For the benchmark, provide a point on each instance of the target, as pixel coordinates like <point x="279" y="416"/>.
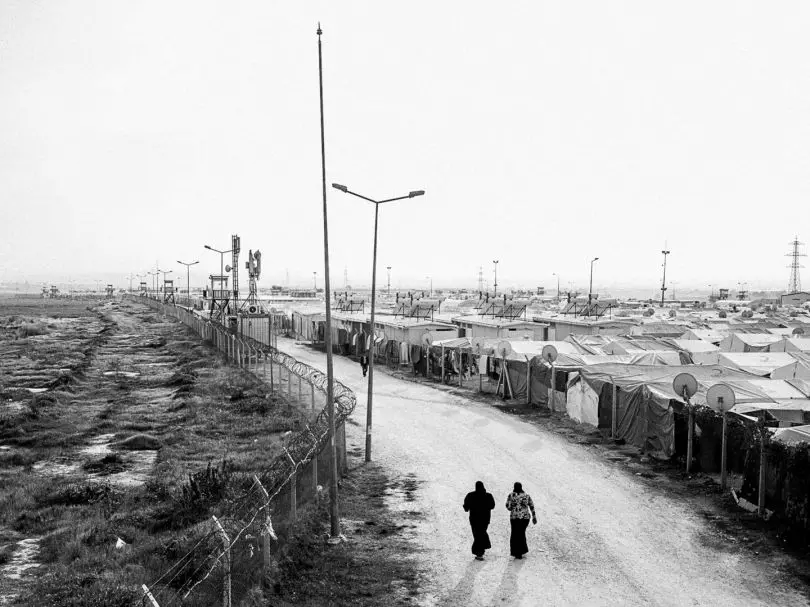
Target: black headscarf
<point x="518" y="488"/>
<point x="479" y="487"/>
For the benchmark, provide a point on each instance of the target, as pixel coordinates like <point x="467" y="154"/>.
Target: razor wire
<point x="300" y="448"/>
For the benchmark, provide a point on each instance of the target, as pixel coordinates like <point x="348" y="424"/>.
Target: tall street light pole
<point x="377" y="204"/>
<point x="430" y="278"/>
<point x="590" y="284"/>
<point x="495" y="263"/>
<point x="188" y="277"/>
<point x="664" y="279"/>
<point x="389" y="279"/>
<point x="221" y="264"/>
<point x="558" y="285"/>
<point x="334" y="521"/>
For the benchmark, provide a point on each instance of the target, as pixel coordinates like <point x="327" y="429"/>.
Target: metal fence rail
<point x="235" y="552"/>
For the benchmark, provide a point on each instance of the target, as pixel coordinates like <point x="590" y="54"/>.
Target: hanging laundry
<point x="482" y="365"/>
<point x="416" y="354"/>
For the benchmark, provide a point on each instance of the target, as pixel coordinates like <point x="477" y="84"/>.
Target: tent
<point x="701" y="352"/>
<point x="794" y="435"/>
<point x="758" y="363"/>
<point x="749" y="342"/>
<point x="796" y="370"/>
<point x="792" y="344"/>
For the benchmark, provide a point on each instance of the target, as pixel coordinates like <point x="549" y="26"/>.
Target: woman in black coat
<point x="479" y="504"/>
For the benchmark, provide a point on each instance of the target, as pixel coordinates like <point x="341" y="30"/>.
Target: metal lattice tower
<point x="235" y="269"/>
<point x="795" y="283"/>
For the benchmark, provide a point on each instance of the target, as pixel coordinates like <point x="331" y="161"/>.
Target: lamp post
<point x="590" y="283"/>
<point x="664" y="279"/>
<point x="221" y="266"/>
<point x="430" y="278"/>
<point x="315" y="282"/>
<point x="558" y="285"/>
<point x="188" y="277"/>
<point x="389" y="279"/>
<point x="377" y="204"/>
<point x="495" y="263"/>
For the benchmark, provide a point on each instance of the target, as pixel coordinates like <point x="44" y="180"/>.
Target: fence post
<point x="300" y="398"/>
<point x="312" y="388"/>
<point x="226" y="564"/>
<point x="341" y="442"/>
<point x="147" y="594"/>
<point x="267" y="532"/>
<point x="293" y="490"/>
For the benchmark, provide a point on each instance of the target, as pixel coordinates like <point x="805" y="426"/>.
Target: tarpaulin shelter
<point x="748" y="342"/>
<point x="645" y="401"/>
<point x="758" y="363"/>
<point x="798" y="369"/>
<point x="792" y="344"/>
<point x="794" y="435"/>
<point x="701" y="352"/>
<point x="713" y="336"/>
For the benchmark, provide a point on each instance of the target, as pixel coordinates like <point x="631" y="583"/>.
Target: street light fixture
<point x="664" y="279"/>
<point x="377" y="204"/>
<point x="315" y="282"/>
<point x="188" y="279"/>
<point x="389" y="279"/>
<point x="558" y="285"/>
<point x="590" y="284"/>
<point x="495" y="262"/>
<point x="221" y="263"/>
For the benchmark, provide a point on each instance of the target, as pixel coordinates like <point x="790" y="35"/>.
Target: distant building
<point x="796" y="300"/>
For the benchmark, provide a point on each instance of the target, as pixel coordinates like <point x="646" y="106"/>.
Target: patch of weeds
<point x="75" y="494"/>
<point x="197" y="497"/>
<point x="109" y="464"/>
<point x="31" y="329"/>
<point x="65" y="588"/>
<point x="17" y="457"/>
<point x="6" y="552"/>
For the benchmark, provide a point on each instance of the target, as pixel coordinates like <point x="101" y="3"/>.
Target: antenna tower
<point x="795" y="283"/>
<point x="665" y="252"/>
<point x="235" y="247"/>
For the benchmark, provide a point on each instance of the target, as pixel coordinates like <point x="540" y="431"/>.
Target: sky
<point x="544" y="134"/>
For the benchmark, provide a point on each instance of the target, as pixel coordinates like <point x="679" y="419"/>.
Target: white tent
<point x="758" y="363"/>
<point x="792" y="344"/>
<point x="749" y="342"/>
<point x="795" y="370"/>
<point x="702" y="352"/>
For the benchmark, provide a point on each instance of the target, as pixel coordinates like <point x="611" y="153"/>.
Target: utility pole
<point x="389" y="279"/>
<point x="334" y="521"/>
<point x="495" y="263"/>
<point x="664" y="279"/>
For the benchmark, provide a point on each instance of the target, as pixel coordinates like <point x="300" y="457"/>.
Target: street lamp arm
<point x="345" y="190"/>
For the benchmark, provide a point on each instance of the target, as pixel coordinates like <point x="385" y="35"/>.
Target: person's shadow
<point x="463" y="591"/>
<point x="507" y="592"/>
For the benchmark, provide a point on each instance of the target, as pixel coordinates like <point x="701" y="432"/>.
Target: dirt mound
<point x="139" y="442"/>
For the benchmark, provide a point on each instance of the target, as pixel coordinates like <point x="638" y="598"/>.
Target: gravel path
<point x="602" y="539"/>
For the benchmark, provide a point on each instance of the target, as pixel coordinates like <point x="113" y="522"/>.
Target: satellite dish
<point x="227" y="268"/>
<point x="549" y="353"/>
<point x="798" y="331"/>
<point x="477" y="342"/>
<point x="427" y="338"/>
<point x="721" y="397"/>
<point x="685" y="385"/>
<point x="504" y="348"/>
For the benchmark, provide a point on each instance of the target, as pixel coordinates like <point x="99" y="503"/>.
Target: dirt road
<point x="603" y="537"/>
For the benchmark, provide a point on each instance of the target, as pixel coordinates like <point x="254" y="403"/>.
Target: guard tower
<point x="168" y="291"/>
<point x="109" y="290"/>
<point x="218" y="296"/>
<point x="142" y="289"/>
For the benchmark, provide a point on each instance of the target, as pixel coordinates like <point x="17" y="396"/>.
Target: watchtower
<point x="168" y="290"/>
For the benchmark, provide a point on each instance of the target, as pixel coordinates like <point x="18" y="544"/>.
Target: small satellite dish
<point x="427" y="338"/>
<point x="685" y="384"/>
<point x="798" y="331"/>
<point x="721" y="397"/>
<point x="477" y="343"/>
<point x="549" y="353"/>
<point x="227" y="268"/>
<point x="504" y="349"/>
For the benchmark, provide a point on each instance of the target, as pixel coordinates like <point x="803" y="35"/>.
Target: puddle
<point x="37" y="390"/>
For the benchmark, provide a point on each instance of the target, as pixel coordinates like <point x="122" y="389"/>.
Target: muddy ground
<point x="105" y="410"/>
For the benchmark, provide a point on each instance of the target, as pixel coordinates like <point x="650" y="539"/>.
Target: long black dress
<point x="479" y="504"/>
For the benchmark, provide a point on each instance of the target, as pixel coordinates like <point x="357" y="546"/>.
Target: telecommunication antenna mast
<point x="235" y="270"/>
<point x="795" y="283"/>
<point x="664" y="279"/>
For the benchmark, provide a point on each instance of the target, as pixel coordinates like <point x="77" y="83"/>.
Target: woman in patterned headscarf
<point x="521" y="509"/>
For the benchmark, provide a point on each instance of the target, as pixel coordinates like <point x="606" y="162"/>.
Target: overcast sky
<point x="545" y="134"/>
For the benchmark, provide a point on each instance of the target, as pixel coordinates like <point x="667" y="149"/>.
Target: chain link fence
<point x="223" y="560"/>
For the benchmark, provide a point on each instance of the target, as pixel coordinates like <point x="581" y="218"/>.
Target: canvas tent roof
<point x="713" y="336"/>
<point x="748" y="342"/>
<point x="792" y="344"/>
<point x="794" y="435"/>
<point x="758" y="363"/>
